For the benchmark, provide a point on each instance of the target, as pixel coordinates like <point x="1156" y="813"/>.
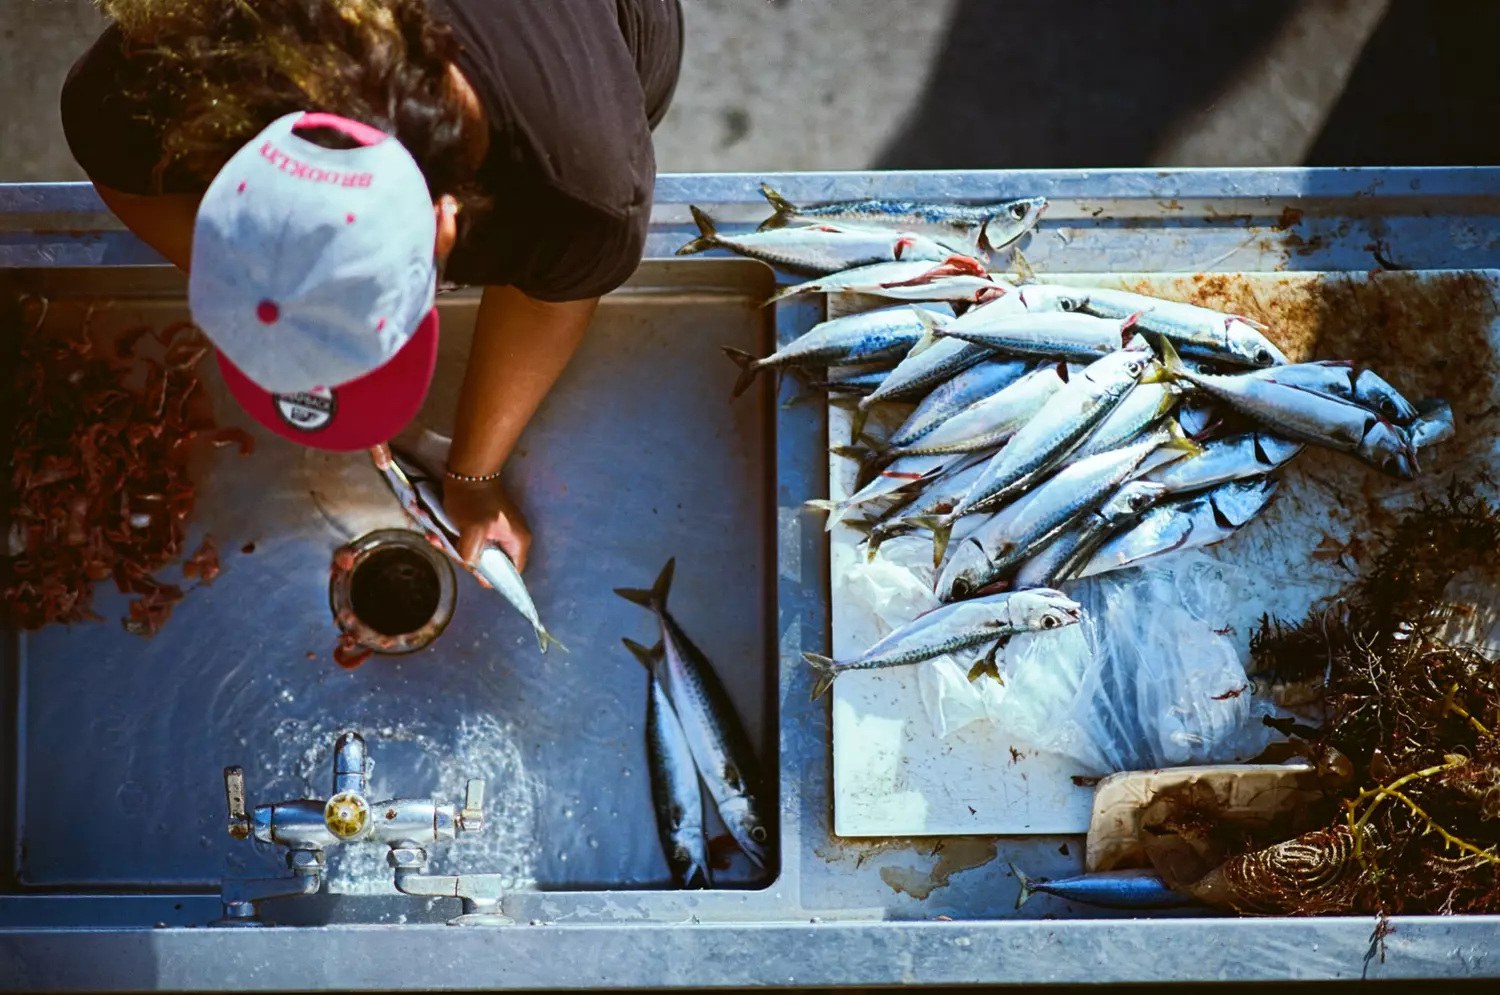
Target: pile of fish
<point x="693" y="734"/>
<point x="1059" y="432"/>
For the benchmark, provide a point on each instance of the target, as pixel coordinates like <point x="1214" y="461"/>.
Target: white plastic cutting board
<point x="1428" y="333"/>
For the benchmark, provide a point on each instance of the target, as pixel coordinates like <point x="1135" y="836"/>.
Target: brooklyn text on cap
<point x="313" y="275"/>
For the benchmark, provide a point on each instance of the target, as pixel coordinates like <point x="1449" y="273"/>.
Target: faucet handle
<point x="234" y="798"/>
<point x="471" y="819"/>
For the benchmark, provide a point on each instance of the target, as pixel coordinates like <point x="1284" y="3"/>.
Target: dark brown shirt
<point x="572" y="89"/>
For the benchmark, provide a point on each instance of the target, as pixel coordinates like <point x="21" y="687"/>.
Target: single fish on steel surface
<point x="965" y="227"/>
<point x="817" y="250"/>
<point x="867" y="337"/>
<point x="674" y="778"/>
<point x="954" y="627"/>
<point x="1131" y="889"/>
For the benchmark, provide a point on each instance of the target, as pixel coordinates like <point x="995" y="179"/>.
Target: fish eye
<point x="1067" y="303"/>
<point x="1017" y="212"/>
<point x="1264" y="357"/>
<point x="1050" y="621"/>
<point x="1135" y="367"/>
<point x="758" y="833"/>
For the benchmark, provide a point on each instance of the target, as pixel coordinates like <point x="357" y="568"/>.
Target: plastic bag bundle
<point x="1147" y="681"/>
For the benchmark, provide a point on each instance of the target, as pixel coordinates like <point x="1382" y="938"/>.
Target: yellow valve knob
<point x="346" y="815"/>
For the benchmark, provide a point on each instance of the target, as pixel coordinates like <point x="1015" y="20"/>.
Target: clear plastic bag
<point x="1147" y="681"/>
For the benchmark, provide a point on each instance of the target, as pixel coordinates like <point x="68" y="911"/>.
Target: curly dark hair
<point x="221" y="70"/>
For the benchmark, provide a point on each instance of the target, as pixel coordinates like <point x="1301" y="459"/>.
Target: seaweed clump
<point x="1415" y="707"/>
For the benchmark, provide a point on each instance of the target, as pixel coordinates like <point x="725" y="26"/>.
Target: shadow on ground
<point x="1093" y="83"/>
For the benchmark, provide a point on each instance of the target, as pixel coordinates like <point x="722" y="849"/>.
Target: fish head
<point x="1130" y="500"/>
<point x="1010" y="221"/>
<point x="1051" y="297"/>
<point x="1042" y="608"/>
<point x="1122" y="370"/>
<point x="1383" y="399"/>
<point x="968" y="569"/>
<point x="750" y="834"/>
<point x="1248" y="344"/>
<point x="1389" y="447"/>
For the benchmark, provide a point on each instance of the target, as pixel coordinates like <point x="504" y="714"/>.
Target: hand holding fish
<point x="483" y="511"/>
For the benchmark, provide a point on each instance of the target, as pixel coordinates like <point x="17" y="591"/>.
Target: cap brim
<point x="351" y="416"/>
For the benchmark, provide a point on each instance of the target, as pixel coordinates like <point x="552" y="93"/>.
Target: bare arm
<point x="520" y="348"/>
<point x="163" y="222"/>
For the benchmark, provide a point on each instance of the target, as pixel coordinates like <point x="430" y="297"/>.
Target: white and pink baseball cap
<point x="313" y="275"/>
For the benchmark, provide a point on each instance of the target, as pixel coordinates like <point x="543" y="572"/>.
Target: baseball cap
<point x="313" y="276"/>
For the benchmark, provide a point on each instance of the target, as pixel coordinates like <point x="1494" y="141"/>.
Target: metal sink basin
<point x="112" y="748"/>
<point x="636" y="456"/>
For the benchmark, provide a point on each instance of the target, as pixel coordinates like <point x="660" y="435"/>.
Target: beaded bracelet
<point x="470" y="479"/>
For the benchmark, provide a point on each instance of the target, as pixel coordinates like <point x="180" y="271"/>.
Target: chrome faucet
<point x="306" y="827"/>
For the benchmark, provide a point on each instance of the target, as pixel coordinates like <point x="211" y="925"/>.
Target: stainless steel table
<point x="111" y="808"/>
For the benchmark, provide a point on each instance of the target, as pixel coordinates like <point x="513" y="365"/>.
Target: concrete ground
<point x="924" y="84"/>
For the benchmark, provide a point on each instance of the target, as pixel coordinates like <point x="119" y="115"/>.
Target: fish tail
<point x="986" y="665"/>
<point x="784" y="209"/>
<point x="855" y="451"/>
<point x="879" y="534"/>
<point x="933" y="324"/>
<point x="861" y="525"/>
<point x="784" y="293"/>
<point x="941" y="527"/>
<point x="708" y="235"/>
<point x="1179" y="440"/>
<point x="647" y="657"/>
<point x="821" y="504"/>
<point x="696" y="875"/>
<point x="545" y="639"/>
<point x="823" y="666"/>
<point x="656" y="598"/>
<point x="749" y="368"/>
<point x="857" y="420"/>
<point x="1172" y="361"/>
<point x="1025" y="883"/>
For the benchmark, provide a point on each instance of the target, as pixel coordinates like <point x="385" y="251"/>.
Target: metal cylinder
<point x="350" y="764"/>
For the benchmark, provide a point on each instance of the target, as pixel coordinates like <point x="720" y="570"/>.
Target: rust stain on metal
<point x="1290" y="217"/>
<point x="954" y="855"/>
